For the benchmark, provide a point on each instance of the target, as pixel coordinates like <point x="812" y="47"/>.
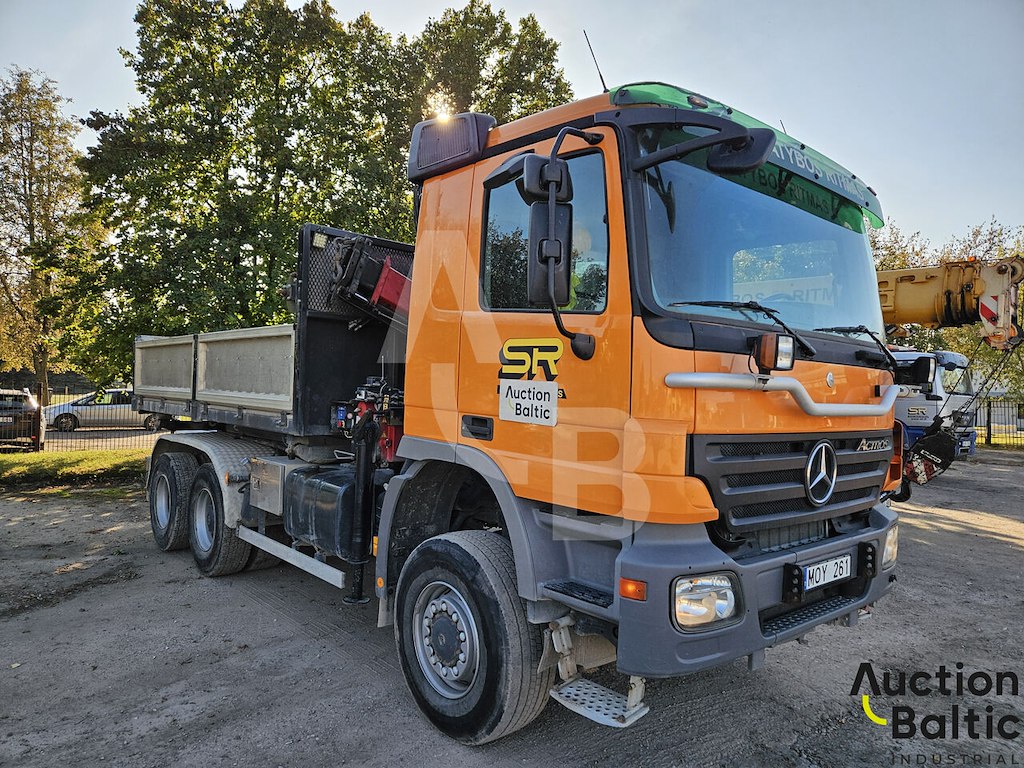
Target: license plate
<point x="827" y="571"/>
<point x="6" y="419"/>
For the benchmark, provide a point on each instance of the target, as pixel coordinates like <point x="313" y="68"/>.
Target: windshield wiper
<point x="735" y="148"/>
<point x="846" y="329"/>
<point x="756" y="307"/>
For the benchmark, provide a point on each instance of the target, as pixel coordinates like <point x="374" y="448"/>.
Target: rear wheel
<point x="469" y="655"/>
<point x="152" y="423"/>
<point x="169" y="484"/>
<point x="215" y="547"/>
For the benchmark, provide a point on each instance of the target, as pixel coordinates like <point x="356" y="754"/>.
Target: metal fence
<point x="1000" y="423"/>
<point x="80" y="418"/>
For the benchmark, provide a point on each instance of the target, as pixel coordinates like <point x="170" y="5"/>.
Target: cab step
<point x="602" y="705"/>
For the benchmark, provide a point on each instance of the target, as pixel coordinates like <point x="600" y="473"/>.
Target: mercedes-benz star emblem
<point x="820" y="473"/>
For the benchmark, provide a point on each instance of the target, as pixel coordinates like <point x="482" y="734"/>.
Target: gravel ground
<point x="114" y="653"/>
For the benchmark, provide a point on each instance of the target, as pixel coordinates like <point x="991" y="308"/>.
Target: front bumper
<point x="650" y="644"/>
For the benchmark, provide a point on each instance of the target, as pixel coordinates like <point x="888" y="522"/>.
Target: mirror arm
<point x="582" y="344"/>
<point x="590" y="138"/>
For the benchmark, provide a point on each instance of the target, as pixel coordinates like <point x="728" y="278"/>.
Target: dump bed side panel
<point x="248" y="367"/>
<point x="283" y="379"/>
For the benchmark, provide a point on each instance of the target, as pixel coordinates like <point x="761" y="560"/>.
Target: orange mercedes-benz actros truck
<point x="625" y="402"/>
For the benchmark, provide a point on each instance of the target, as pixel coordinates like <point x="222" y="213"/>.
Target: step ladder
<point x="602" y="705"/>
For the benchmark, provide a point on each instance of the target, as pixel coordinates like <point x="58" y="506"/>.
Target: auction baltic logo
<point x="939" y="711"/>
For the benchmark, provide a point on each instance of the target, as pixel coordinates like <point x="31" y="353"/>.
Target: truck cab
<point x="671" y="489"/>
<point x="949" y="395"/>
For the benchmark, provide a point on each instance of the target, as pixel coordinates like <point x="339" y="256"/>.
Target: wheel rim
<point x="204" y="520"/>
<point x="162" y="502"/>
<point x="64" y="424"/>
<point x="446" y="639"/>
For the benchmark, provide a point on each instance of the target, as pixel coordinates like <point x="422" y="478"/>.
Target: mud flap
<point x="929" y="457"/>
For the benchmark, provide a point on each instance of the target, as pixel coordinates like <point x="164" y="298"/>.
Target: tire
<point x="467" y="578"/>
<point x="903" y="494"/>
<point x="261" y="560"/>
<point x="66" y="422"/>
<point x="170" y="482"/>
<point x="215" y="547"/>
<point x="152" y="423"/>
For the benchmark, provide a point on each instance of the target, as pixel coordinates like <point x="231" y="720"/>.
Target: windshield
<point x="957" y="382"/>
<point x="767" y="236"/>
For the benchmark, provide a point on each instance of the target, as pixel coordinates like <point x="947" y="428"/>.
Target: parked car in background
<point x="105" y="408"/>
<point x="21" y="421"/>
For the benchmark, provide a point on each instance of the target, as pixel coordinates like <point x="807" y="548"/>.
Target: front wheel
<point x="152" y="423"/>
<point x="468" y="653"/>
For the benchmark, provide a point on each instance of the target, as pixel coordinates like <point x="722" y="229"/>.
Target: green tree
<point x="893" y="249"/>
<point x="44" y="234"/>
<point x="256" y="118"/>
<point x="473" y="59"/>
<point x="526" y="77"/>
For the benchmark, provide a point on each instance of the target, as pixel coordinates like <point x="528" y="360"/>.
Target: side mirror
<point x="923" y="370"/>
<point x="550" y="251"/>
<point x="538" y="173"/>
<point x="919" y="373"/>
<point x="534" y="174"/>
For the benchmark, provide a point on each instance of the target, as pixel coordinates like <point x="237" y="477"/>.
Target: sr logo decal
<point x="525" y="358"/>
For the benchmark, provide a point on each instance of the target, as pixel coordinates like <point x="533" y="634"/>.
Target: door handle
<point x="478" y="427"/>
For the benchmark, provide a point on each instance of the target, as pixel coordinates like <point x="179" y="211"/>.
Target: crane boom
<point x="956" y="294"/>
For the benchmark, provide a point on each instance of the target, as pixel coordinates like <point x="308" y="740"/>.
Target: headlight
<point x="892" y="547"/>
<point x="704" y="600"/>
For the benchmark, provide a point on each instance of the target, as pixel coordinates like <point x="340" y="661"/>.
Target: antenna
<point x="783" y="125"/>
<point x="596" y="65"/>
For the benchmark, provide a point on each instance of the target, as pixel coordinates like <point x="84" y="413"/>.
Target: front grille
<point x="760" y="449"/>
<point x="758" y="483"/>
<point x="791" y="475"/>
<point x="799" y="506"/>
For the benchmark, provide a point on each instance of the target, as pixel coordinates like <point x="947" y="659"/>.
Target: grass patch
<point x="72" y="467"/>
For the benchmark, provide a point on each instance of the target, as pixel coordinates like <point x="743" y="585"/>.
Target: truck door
<point x="552" y="422"/>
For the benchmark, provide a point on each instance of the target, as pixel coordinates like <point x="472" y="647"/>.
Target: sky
<point x="924" y="99"/>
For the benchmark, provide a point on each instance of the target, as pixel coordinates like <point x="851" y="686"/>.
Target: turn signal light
<point x="633" y="589"/>
<point x="774" y="352"/>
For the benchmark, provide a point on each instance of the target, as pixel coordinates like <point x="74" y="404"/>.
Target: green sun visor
<point x="788" y="153"/>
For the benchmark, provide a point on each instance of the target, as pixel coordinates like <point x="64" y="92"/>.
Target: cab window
<point x="503" y="266"/>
